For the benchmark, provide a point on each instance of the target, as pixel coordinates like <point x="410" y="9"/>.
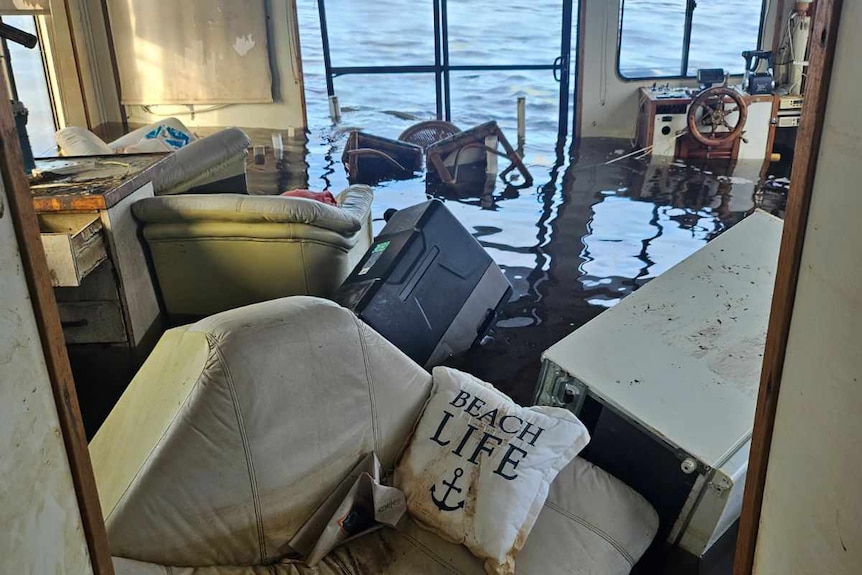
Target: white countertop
<point x="682" y="355"/>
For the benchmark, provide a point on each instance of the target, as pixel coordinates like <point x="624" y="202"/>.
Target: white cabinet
<point x="667" y="380"/>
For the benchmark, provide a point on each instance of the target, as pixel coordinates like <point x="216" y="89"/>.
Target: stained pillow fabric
<point x="325" y="196"/>
<point x="478" y="468"/>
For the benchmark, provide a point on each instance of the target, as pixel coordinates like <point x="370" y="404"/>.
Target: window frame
<point x="691" y="6"/>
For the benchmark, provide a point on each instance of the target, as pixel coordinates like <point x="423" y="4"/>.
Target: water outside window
<point x="652" y="36"/>
<point x="383" y="32"/>
<point x="481" y="32"/>
<point x="720" y="31"/>
<point x="504" y="32"/>
<point x="29" y="73"/>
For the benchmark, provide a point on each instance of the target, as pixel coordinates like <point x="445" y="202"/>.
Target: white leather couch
<point x="237" y="427"/>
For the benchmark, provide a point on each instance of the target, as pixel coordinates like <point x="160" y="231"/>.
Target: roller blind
<point x="13" y="7"/>
<point x="191" y="51"/>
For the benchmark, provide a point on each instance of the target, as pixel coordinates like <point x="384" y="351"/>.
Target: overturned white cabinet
<point x="667" y="381"/>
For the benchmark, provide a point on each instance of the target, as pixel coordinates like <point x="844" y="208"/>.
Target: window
<point x="31" y="87"/>
<point x="673" y="38"/>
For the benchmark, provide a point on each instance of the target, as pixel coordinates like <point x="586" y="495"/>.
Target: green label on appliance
<point x="376" y="253"/>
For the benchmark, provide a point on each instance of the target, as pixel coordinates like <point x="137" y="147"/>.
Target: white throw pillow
<point x="478" y="467"/>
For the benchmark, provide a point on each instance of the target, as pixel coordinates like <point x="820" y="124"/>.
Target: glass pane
<point x="378" y="33"/>
<point x="479" y="97"/>
<point x="735" y="22"/>
<point x="384" y="104"/>
<point x="32" y="86"/>
<point x="651" y="37"/>
<point x="483" y="32"/>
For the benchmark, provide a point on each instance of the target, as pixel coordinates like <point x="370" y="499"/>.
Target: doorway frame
<point x="23" y="216"/>
<point x="823" y="40"/>
<point x="824" y="35"/>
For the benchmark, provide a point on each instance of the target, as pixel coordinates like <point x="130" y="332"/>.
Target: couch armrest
<point x="345" y="220"/>
<point x="200" y="160"/>
<point x="356" y="200"/>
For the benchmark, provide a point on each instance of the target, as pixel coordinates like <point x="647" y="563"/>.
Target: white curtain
<point x="15" y="7"/>
<point x="191" y="51"/>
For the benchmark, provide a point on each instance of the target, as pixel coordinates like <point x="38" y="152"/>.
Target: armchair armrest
<point x="356" y="200"/>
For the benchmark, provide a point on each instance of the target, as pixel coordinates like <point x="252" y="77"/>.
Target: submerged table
<point x="668" y="379"/>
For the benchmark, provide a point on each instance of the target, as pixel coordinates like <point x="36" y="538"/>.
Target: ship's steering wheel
<point x="717" y="116"/>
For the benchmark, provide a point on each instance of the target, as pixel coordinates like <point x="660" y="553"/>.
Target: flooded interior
<point x="591" y="230"/>
<point x="644" y="142"/>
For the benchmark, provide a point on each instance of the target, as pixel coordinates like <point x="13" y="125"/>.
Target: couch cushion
<point x="238" y="427"/>
<point x="591" y="524"/>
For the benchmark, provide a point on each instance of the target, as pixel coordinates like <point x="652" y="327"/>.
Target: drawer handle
<point x="76" y="323"/>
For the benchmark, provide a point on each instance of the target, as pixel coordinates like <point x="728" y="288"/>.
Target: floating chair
<point x="429" y="132"/>
<point x="369" y="159"/>
<point x="446" y="153"/>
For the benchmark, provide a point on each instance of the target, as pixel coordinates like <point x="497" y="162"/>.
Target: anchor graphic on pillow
<point x="450" y="487"/>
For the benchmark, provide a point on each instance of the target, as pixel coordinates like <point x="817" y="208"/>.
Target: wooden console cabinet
<point x="108" y="302"/>
<point x="662" y="121"/>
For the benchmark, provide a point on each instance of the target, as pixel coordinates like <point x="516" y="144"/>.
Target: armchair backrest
<point x="237" y="427"/>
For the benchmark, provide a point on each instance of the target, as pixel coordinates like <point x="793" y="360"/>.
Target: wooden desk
<point x="114" y="302"/>
<point x="108" y="307"/>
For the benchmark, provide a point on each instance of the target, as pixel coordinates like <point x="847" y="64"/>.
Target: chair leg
<point x="437" y="161"/>
<point x="515" y="158"/>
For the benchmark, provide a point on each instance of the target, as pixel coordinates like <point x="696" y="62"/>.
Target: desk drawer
<point x="74" y="246"/>
<point x="92" y="322"/>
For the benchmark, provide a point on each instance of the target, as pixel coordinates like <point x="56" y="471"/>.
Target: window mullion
<point x="686" y="39"/>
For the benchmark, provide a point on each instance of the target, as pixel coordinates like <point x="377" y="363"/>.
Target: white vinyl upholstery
<point x="238" y="426"/>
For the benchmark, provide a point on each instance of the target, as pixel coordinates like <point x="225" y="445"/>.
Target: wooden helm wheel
<point x="717" y="104"/>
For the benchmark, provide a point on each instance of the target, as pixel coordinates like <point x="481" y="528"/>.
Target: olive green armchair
<point x="217" y="252"/>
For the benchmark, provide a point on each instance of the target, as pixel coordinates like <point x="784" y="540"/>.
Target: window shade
<point x="191" y="51"/>
<point x="13" y="7"/>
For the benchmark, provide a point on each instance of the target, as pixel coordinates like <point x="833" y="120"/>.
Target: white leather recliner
<point x="237" y="427"/>
<point x="217" y="252"/>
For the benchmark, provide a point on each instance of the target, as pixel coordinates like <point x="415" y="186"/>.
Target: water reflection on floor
<point x="584" y="236"/>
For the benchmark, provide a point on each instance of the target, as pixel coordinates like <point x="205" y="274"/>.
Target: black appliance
<point x="426" y="285"/>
